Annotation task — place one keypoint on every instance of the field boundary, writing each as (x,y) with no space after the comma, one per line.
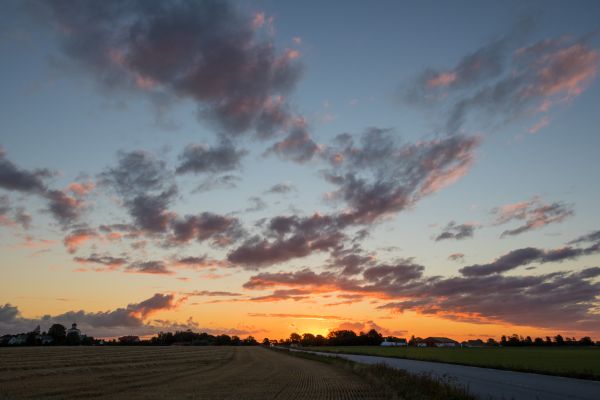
(397,383)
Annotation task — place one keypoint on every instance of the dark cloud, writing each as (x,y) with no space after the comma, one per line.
(535,214)
(456,231)
(297,146)
(146,187)
(281,188)
(219,229)
(201,262)
(380,176)
(110,323)
(137,173)
(456,257)
(298,316)
(149,267)
(521,300)
(203,50)
(288,237)
(285,294)
(200,159)
(528,255)
(65,208)
(103,259)
(17,179)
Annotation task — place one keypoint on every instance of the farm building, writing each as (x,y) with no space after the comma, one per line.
(73,330)
(473,343)
(393,342)
(438,342)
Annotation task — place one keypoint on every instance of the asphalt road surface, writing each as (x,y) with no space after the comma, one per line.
(488,383)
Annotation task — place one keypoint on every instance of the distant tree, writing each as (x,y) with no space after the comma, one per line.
(249,341)
(308,339)
(503,340)
(236,341)
(559,340)
(538,341)
(374,338)
(528,341)
(491,342)
(412,341)
(295,338)
(320,340)
(266,342)
(341,338)
(548,341)
(586,341)
(58,333)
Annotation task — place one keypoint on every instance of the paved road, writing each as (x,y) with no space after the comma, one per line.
(490,383)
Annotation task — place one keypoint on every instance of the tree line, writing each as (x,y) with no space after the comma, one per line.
(58,335)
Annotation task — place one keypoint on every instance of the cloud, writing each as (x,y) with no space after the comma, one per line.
(13,178)
(381,177)
(110,262)
(210,293)
(77,237)
(149,267)
(200,159)
(285,294)
(198,263)
(12,216)
(535,214)
(146,187)
(482,295)
(297,146)
(528,255)
(65,208)
(281,188)
(456,257)
(256,204)
(220,230)
(508,79)
(289,237)
(125,320)
(456,231)
(296,316)
(205,51)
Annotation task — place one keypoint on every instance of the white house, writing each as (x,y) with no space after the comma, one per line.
(387,342)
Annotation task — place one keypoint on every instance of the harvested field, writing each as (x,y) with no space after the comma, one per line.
(172,372)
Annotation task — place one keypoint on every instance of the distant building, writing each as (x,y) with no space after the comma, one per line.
(73,330)
(393,342)
(18,340)
(473,343)
(129,339)
(438,342)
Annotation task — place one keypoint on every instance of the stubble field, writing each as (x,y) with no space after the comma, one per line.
(172,373)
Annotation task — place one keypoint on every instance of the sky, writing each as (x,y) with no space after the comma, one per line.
(261,168)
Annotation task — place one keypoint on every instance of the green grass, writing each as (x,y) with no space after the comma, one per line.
(397,384)
(574,362)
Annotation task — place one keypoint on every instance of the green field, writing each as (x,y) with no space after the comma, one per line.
(566,361)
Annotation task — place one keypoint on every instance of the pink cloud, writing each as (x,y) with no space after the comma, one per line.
(442,79)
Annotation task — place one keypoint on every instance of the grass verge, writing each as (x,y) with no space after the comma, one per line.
(571,363)
(396,384)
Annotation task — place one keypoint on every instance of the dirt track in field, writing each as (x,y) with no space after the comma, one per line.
(172,373)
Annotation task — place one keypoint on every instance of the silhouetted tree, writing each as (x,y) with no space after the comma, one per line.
(308,339)
(58,333)
(73,339)
(559,340)
(295,338)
